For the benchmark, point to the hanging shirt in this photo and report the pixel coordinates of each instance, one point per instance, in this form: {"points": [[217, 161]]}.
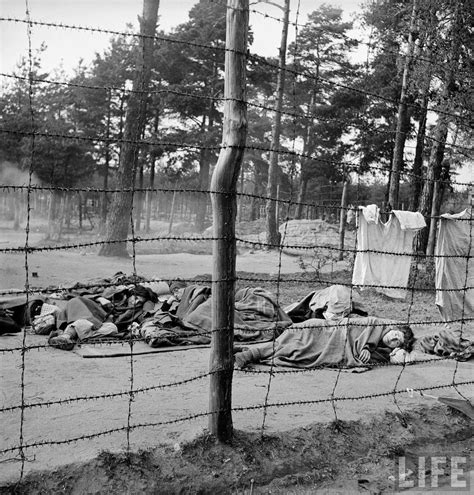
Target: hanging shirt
{"points": [[393, 241], [456, 239]]}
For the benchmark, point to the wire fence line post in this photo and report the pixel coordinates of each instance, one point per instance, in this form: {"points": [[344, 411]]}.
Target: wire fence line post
{"points": [[343, 218], [224, 209]]}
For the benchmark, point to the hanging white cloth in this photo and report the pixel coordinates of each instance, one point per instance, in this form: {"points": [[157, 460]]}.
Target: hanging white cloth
{"points": [[384, 250], [456, 271]]}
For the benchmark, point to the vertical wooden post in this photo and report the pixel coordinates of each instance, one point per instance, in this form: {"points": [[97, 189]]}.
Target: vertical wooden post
{"points": [[173, 202], [433, 220], [241, 199], [79, 206], [277, 209], [224, 209], [342, 220]]}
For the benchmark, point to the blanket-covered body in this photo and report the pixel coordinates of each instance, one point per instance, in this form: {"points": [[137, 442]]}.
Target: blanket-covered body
{"points": [[257, 315], [317, 342]]}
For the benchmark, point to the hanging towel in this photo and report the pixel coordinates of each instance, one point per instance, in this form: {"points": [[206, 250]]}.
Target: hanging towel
{"points": [[371, 213], [410, 219], [456, 272], [384, 251]]}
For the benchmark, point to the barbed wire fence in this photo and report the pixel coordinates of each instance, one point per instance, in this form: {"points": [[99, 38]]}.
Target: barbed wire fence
{"points": [[172, 203]]}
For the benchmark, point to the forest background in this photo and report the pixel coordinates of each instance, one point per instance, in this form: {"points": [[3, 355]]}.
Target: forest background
{"points": [[397, 117]]}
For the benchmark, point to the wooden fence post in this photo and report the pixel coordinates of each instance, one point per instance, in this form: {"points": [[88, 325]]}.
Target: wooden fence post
{"points": [[342, 220], [170, 223], [224, 209]]}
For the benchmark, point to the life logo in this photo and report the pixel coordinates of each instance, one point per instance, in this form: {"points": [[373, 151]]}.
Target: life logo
{"points": [[433, 474]]}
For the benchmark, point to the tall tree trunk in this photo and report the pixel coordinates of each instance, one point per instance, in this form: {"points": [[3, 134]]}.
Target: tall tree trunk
{"points": [[273, 236], [255, 202], [439, 138], [139, 199], [204, 166], [149, 198], [433, 174], [16, 209], [417, 179], [153, 157], [417, 169], [203, 185], [307, 149], [240, 204], [302, 188], [438, 194], [342, 219], [104, 197], [120, 216], [402, 120]]}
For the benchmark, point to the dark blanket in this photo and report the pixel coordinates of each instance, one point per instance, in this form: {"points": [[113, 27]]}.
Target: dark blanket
{"points": [[257, 315], [319, 342], [81, 308]]}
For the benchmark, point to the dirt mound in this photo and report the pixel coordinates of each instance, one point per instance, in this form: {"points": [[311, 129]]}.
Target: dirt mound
{"points": [[311, 233], [346, 455]]}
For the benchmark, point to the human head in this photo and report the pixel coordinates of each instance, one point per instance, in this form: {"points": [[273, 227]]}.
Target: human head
{"points": [[177, 287], [399, 336]]}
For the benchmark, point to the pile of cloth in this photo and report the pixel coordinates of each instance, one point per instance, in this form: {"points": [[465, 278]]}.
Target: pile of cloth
{"points": [[447, 344], [159, 313], [326, 327]]}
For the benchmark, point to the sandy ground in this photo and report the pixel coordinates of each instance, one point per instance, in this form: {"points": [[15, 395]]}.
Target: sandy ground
{"points": [[51, 374]]}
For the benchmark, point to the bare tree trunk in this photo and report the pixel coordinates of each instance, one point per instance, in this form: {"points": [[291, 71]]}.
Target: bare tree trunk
{"points": [[303, 185], [273, 237], [417, 179], [150, 194], [255, 203], [120, 215], [432, 176], [241, 197], [438, 193], [139, 199], [205, 160], [203, 186], [104, 198], [16, 210], [224, 180], [173, 203], [79, 206], [342, 220], [402, 120], [53, 200]]}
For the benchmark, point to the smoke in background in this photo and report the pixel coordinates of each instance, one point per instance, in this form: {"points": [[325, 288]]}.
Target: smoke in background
{"points": [[11, 175]]}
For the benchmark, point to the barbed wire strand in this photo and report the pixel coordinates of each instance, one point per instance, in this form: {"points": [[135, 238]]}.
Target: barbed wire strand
{"points": [[293, 114], [274, 207], [22, 455], [249, 55]]}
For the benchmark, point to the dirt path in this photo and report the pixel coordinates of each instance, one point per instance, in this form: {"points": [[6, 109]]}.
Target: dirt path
{"points": [[51, 375]]}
